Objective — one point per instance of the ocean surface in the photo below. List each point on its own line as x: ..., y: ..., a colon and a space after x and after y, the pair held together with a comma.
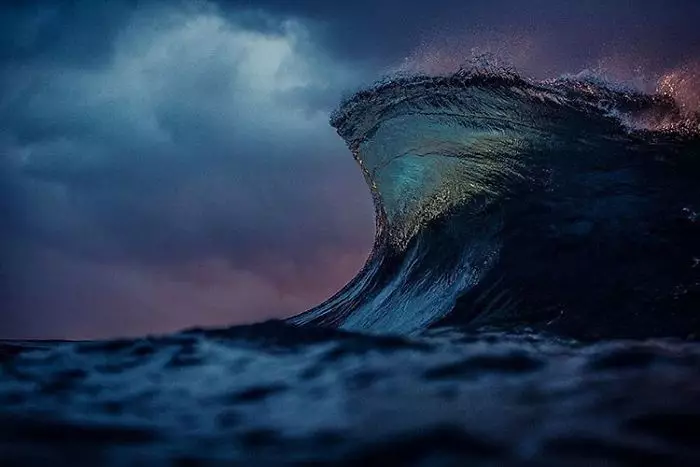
x: 276, y: 394
x: 532, y: 298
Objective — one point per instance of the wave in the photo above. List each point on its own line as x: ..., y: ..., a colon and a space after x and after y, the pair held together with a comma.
x: 568, y: 204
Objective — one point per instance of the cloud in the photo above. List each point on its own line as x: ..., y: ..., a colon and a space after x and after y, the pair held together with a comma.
x: 194, y: 140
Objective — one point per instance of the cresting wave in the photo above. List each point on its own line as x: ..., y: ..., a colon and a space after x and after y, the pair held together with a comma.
x: 568, y: 205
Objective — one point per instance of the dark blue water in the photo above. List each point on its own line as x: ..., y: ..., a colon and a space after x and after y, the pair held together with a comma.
x: 570, y: 206
x: 275, y: 394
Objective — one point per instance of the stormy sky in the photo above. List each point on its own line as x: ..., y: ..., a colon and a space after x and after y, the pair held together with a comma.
x: 170, y: 164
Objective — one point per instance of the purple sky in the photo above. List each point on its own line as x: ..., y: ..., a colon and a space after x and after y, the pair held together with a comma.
x: 170, y: 164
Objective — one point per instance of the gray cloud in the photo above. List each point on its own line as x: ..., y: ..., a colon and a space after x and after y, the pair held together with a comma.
x: 193, y: 141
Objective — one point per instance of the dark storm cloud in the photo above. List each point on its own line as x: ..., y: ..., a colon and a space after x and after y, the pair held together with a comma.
x: 192, y: 124
x: 187, y: 138
x: 170, y: 163
x: 76, y: 32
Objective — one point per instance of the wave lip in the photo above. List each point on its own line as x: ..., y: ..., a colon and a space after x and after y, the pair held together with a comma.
x: 491, y: 191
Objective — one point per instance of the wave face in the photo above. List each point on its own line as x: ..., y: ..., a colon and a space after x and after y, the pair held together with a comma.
x: 568, y: 205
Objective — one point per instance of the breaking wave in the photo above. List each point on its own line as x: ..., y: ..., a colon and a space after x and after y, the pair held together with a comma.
x: 568, y: 204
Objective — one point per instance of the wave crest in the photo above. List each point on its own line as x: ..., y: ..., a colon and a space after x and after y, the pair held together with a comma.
x: 478, y: 174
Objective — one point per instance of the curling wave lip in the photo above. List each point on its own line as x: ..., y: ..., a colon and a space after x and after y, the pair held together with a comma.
x: 505, y: 201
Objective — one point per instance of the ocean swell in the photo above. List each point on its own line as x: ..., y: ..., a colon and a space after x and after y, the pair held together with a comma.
x: 568, y: 204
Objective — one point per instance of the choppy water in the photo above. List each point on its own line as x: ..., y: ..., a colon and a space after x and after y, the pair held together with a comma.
x: 274, y: 394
